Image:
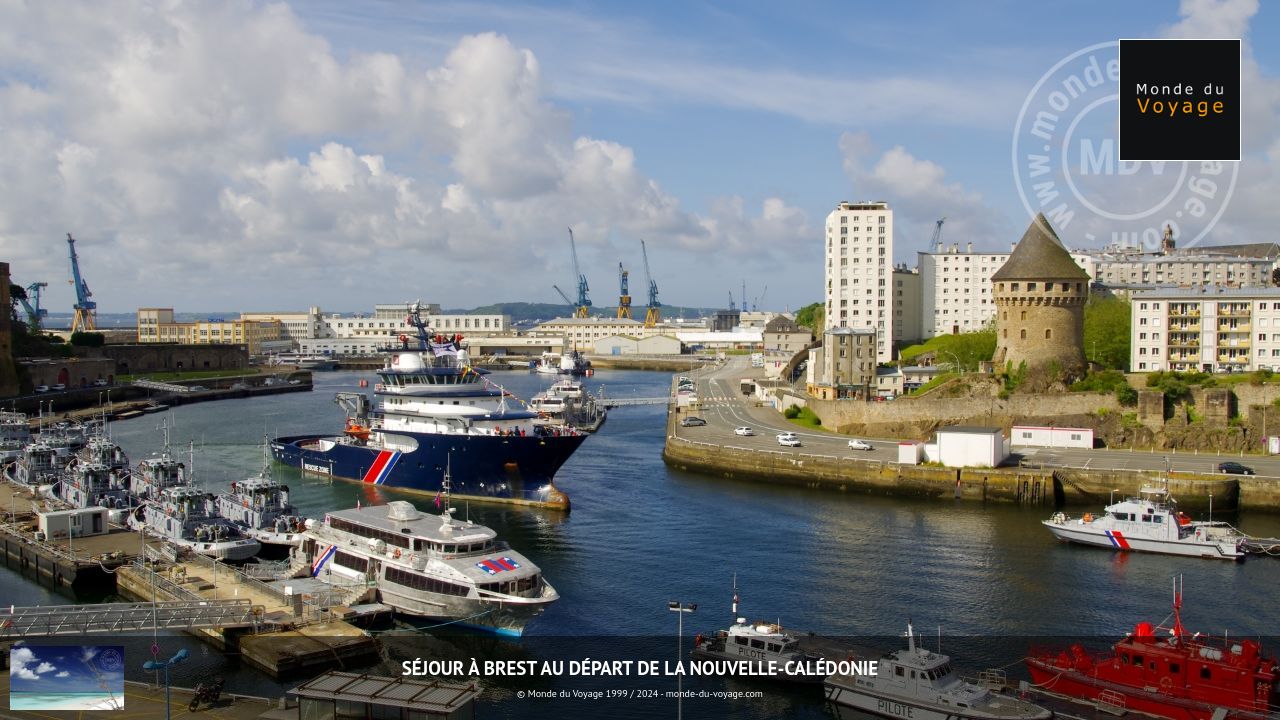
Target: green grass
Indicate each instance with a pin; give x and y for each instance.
(935, 382)
(192, 375)
(808, 419)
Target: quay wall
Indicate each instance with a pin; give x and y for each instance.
(918, 417)
(1030, 486)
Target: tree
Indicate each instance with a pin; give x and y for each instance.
(812, 316)
(1106, 331)
(88, 339)
(1275, 277)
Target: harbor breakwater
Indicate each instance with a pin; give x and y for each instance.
(1027, 486)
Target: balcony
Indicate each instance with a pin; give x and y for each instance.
(1239, 327)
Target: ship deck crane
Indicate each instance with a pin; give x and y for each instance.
(86, 310)
(584, 300)
(652, 313)
(624, 294)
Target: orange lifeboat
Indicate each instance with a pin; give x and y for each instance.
(356, 430)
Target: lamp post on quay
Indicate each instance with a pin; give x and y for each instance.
(680, 609)
(164, 665)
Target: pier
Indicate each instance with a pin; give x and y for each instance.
(126, 617)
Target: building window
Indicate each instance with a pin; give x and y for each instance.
(1048, 334)
(1024, 334)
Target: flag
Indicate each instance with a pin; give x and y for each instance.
(437, 499)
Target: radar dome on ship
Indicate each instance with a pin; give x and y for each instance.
(410, 362)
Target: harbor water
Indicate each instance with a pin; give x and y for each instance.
(641, 535)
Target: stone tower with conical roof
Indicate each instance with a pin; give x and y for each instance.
(1039, 295)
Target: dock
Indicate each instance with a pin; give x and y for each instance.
(295, 632)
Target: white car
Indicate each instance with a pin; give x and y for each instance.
(789, 441)
(860, 445)
(744, 431)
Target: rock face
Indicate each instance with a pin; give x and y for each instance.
(1040, 294)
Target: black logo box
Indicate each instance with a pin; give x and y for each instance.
(1160, 77)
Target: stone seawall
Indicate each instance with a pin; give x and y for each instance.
(1047, 486)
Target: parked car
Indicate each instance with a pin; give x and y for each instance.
(744, 431)
(856, 444)
(99, 383)
(786, 434)
(59, 387)
(42, 388)
(1235, 468)
(693, 422)
(789, 441)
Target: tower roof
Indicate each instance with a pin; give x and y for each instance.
(1040, 255)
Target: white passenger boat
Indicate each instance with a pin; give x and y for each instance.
(922, 685)
(430, 566)
(1150, 522)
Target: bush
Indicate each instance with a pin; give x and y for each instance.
(1260, 376)
(1104, 381)
(88, 339)
(1126, 395)
(791, 413)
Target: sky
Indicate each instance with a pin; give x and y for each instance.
(242, 155)
(65, 668)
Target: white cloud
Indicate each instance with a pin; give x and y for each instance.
(170, 137)
(919, 194)
(21, 660)
(62, 673)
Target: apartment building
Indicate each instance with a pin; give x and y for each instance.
(1210, 329)
(858, 272)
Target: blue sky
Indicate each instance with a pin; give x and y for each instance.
(251, 156)
(65, 668)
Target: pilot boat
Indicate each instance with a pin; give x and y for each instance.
(259, 507)
(922, 685)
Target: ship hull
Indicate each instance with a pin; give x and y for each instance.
(1085, 688)
(844, 694)
(1113, 540)
(483, 467)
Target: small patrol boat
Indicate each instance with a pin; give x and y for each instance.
(760, 643)
(1150, 522)
(922, 685)
(180, 516)
(259, 507)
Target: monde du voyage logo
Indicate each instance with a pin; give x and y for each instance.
(1169, 160)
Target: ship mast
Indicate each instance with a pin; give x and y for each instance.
(1178, 630)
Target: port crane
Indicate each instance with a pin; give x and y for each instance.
(567, 301)
(652, 313)
(937, 234)
(584, 300)
(86, 317)
(31, 304)
(755, 304)
(624, 295)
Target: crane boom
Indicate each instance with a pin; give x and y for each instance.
(624, 294)
(567, 301)
(937, 234)
(584, 299)
(35, 313)
(86, 310)
(653, 313)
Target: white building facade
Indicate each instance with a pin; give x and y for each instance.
(955, 288)
(859, 269)
(1210, 329)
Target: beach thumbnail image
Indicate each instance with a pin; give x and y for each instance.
(66, 677)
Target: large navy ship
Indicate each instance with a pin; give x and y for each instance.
(430, 405)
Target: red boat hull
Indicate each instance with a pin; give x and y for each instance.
(1075, 684)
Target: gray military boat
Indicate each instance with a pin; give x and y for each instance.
(921, 685)
(764, 645)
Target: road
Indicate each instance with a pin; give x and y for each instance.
(724, 407)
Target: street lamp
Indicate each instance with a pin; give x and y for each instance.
(164, 665)
(955, 357)
(680, 609)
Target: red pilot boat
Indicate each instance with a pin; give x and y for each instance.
(1178, 676)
